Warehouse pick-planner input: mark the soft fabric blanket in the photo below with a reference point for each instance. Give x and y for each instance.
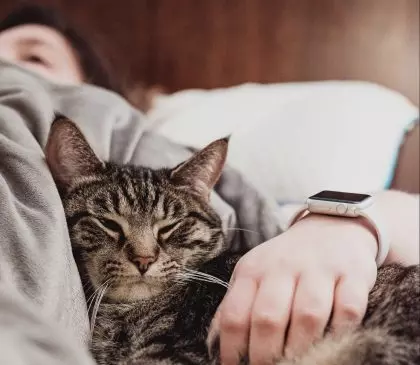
(42, 306)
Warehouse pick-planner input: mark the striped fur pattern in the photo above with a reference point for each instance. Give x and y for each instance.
(133, 230)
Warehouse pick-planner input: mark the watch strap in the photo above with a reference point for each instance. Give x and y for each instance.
(373, 218)
(298, 215)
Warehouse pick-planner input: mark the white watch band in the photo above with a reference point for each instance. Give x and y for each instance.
(374, 220)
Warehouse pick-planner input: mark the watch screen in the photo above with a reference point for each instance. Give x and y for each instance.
(339, 196)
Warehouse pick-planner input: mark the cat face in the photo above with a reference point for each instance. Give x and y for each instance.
(132, 228)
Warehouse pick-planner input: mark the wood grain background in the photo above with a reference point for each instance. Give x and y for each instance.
(213, 43)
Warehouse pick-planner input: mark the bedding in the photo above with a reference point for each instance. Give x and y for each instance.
(43, 317)
(294, 139)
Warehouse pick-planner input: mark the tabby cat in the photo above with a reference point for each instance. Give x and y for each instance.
(138, 235)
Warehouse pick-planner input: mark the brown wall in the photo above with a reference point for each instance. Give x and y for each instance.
(212, 43)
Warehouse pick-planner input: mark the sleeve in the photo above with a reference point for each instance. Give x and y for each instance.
(29, 338)
(38, 276)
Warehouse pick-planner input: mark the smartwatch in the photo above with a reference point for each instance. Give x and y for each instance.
(349, 205)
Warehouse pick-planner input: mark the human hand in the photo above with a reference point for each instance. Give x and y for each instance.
(285, 291)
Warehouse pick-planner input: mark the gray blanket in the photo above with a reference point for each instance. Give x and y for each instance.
(43, 317)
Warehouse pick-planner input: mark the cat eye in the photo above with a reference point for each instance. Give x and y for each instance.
(165, 230)
(112, 226)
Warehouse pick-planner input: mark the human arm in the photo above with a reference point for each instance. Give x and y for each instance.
(407, 171)
(321, 266)
(406, 178)
(401, 212)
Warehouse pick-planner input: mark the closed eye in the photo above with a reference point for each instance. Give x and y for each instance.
(112, 226)
(165, 231)
(35, 59)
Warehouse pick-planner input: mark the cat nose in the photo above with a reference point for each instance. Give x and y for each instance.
(144, 262)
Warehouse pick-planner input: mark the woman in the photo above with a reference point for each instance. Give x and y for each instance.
(302, 283)
(39, 39)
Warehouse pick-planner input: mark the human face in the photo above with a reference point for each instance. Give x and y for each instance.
(42, 50)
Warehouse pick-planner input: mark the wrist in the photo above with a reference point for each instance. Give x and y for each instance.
(401, 214)
(356, 230)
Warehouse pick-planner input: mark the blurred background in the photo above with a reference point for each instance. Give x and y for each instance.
(183, 44)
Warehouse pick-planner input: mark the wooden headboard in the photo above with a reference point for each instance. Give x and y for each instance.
(212, 43)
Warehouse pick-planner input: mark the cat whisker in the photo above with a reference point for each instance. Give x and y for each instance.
(93, 294)
(189, 280)
(200, 279)
(219, 282)
(243, 230)
(91, 299)
(200, 276)
(203, 277)
(87, 287)
(96, 307)
(186, 278)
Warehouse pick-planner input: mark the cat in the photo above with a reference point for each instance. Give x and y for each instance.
(139, 237)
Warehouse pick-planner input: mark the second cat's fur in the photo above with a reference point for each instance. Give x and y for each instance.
(137, 233)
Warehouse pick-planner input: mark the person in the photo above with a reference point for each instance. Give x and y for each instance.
(322, 268)
(40, 40)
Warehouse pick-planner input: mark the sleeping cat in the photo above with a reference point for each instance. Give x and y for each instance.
(139, 236)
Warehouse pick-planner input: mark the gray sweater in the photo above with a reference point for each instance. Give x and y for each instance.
(43, 318)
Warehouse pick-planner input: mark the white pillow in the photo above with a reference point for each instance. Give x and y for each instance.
(292, 140)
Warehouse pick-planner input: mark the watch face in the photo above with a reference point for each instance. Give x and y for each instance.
(340, 196)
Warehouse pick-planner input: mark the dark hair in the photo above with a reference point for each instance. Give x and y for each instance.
(95, 70)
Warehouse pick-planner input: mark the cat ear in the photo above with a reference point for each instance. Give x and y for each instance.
(68, 153)
(201, 172)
